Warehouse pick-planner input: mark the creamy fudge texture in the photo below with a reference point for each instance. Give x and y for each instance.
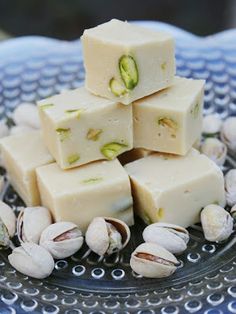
(79, 127)
(22, 154)
(170, 121)
(126, 62)
(133, 154)
(173, 188)
(78, 195)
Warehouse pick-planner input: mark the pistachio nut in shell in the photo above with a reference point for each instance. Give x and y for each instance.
(62, 239)
(217, 223)
(8, 217)
(228, 133)
(32, 260)
(215, 150)
(211, 125)
(31, 222)
(106, 235)
(153, 261)
(230, 187)
(172, 237)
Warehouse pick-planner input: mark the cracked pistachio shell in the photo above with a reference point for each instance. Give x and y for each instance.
(31, 222)
(26, 114)
(172, 237)
(211, 124)
(62, 239)
(8, 217)
(107, 235)
(32, 260)
(230, 187)
(228, 133)
(153, 261)
(217, 223)
(215, 150)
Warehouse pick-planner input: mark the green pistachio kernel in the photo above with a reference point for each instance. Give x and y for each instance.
(168, 123)
(74, 112)
(46, 106)
(63, 133)
(117, 88)
(111, 150)
(128, 71)
(163, 66)
(73, 158)
(160, 213)
(94, 134)
(195, 110)
(92, 180)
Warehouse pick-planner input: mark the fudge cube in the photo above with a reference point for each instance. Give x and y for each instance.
(126, 62)
(78, 195)
(22, 154)
(174, 189)
(134, 154)
(170, 121)
(79, 127)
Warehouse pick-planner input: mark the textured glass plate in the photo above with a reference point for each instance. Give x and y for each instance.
(34, 67)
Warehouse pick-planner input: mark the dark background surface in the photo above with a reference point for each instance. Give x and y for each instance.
(66, 19)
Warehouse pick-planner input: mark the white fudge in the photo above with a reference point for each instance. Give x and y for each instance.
(133, 154)
(170, 121)
(78, 195)
(79, 127)
(22, 154)
(126, 62)
(173, 188)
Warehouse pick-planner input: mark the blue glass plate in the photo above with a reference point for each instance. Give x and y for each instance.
(35, 67)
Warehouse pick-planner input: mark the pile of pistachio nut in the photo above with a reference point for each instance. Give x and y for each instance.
(41, 243)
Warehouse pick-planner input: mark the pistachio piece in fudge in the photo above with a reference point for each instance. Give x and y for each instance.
(22, 154)
(117, 88)
(112, 150)
(170, 121)
(75, 136)
(128, 71)
(173, 189)
(132, 61)
(104, 183)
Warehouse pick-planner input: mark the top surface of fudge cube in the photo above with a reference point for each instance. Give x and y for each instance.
(80, 178)
(178, 96)
(124, 33)
(170, 169)
(62, 105)
(27, 149)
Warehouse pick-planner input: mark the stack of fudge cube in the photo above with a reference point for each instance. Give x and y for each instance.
(134, 109)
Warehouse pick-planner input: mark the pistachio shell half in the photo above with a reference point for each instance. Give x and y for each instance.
(106, 235)
(31, 222)
(8, 218)
(153, 261)
(62, 239)
(172, 237)
(228, 133)
(32, 260)
(217, 223)
(215, 150)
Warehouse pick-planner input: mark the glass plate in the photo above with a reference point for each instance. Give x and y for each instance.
(35, 67)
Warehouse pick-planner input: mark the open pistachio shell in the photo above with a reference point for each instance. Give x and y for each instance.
(106, 235)
(62, 239)
(230, 187)
(228, 133)
(32, 260)
(215, 150)
(153, 261)
(8, 217)
(31, 222)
